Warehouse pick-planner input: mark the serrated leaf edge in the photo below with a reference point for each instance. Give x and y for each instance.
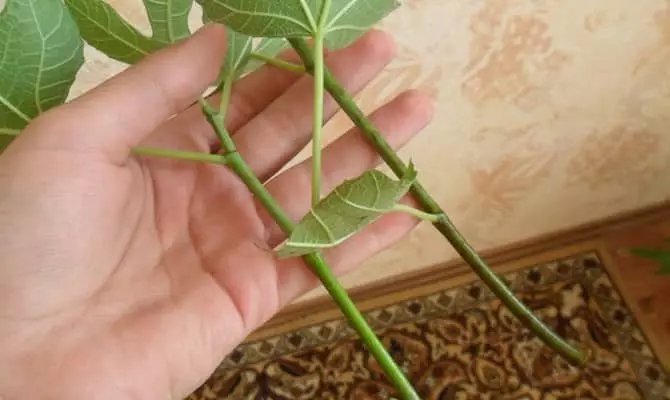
(286, 248)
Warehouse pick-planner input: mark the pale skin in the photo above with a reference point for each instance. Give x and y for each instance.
(127, 277)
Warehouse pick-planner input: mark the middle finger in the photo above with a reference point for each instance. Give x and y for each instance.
(276, 135)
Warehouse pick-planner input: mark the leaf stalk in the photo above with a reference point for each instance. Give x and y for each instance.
(276, 62)
(445, 226)
(415, 212)
(225, 93)
(181, 155)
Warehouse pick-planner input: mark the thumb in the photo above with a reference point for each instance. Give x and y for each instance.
(121, 112)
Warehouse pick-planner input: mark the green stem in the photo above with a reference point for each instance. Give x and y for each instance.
(216, 120)
(318, 101)
(315, 261)
(276, 62)
(225, 93)
(318, 118)
(181, 155)
(445, 225)
(418, 213)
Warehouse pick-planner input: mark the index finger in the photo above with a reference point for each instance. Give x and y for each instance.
(118, 114)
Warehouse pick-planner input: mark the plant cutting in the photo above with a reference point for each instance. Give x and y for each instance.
(257, 31)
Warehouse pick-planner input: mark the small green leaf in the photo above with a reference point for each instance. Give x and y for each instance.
(268, 47)
(239, 46)
(169, 19)
(661, 256)
(41, 54)
(104, 29)
(346, 21)
(350, 207)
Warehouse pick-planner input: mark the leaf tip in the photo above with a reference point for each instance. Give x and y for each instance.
(411, 173)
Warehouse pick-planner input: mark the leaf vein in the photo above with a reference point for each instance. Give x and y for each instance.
(357, 206)
(38, 78)
(109, 30)
(263, 14)
(9, 132)
(339, 15)
(323, 225)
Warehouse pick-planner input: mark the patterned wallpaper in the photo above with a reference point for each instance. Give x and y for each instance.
(550, 113)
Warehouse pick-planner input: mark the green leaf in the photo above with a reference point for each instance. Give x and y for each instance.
(661, 256)
(169, 19)
(347, 19)
(42, 52)
(350, 207)
(104, 29)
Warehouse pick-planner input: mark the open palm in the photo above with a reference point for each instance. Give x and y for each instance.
(126, 277)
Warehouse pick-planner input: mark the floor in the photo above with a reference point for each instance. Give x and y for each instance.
(454, 339)
(646, 292)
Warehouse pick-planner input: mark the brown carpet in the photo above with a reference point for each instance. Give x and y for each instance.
(459, 343)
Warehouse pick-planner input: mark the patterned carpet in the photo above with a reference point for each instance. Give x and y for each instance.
(459, 343)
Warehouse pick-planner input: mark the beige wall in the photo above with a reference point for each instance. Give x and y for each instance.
(550, 113)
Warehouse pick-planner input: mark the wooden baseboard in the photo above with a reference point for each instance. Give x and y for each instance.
(495, 258)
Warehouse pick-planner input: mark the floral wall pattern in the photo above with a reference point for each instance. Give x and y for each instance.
(549, 114)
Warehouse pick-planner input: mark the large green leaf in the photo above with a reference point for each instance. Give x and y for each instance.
(103, 28)
(41, 54)
(346, 20)
(347, 209)
(169, 19)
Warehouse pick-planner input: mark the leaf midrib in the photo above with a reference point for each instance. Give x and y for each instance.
(247, 45)
(13, 109)
(308, 15)
(323, 225)
(168, 20)
(235, 62)
(38, 78)
(359, 206)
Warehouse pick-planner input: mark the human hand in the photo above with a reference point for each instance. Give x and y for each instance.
(131, 277)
